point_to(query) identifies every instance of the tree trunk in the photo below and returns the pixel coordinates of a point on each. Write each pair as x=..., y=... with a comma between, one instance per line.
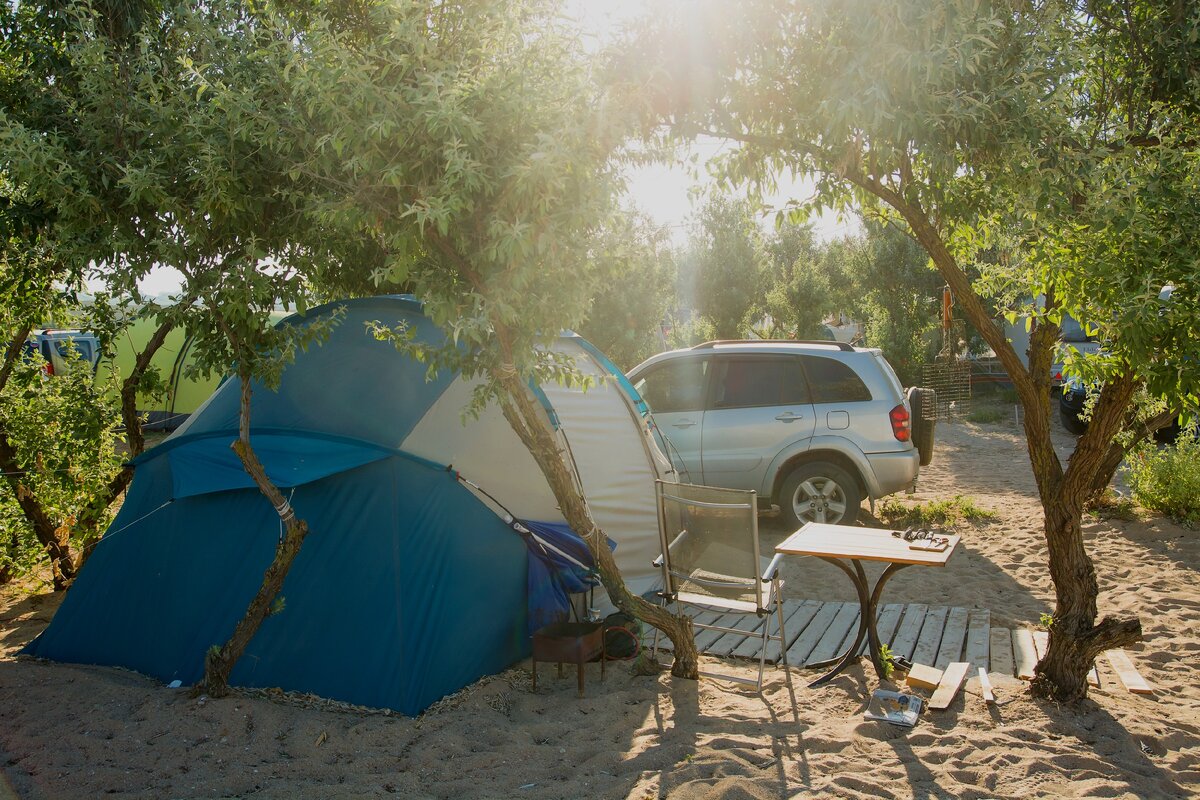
x=531, y=425
x=89, y=519
x=52, y=537
x=1075, y=638
x=56, y=543
x=220, y=661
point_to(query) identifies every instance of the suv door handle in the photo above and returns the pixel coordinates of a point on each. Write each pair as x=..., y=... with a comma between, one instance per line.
x=788, y=416
x=683, y=423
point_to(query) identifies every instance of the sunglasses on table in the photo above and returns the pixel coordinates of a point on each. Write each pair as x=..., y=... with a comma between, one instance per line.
x=922, y=536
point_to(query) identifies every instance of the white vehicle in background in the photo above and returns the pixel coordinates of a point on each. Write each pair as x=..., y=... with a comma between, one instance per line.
x=816, y=427
x=60, y=348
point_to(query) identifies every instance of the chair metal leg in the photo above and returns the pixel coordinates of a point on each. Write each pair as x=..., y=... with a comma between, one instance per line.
x=762, y=652
x=782, y=633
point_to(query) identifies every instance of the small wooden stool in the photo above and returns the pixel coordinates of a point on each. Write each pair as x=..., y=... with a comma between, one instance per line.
x=571, y=643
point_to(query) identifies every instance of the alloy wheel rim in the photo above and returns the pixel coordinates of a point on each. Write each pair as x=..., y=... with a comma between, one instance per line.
x=819, y=499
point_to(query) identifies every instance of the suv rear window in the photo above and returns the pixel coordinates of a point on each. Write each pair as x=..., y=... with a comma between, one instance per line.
x=759, y=381
x=675, y=386
x=834, y=382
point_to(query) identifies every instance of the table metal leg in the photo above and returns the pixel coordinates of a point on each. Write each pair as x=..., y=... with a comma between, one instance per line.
x=868, y=601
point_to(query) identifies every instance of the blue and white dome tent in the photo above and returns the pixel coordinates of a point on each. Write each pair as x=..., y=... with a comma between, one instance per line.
x=410, y=584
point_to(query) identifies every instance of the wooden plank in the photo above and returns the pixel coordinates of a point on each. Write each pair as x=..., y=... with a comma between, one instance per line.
x=885, y=625
x=985, y=686
x=1127, y=672
x=751, y=624
x=797, y=654
x=1041, y=643
x=979, y=626
x=953, y=637
x=905, y=640
x=664, y=643
x=796, y=617
x=842, y=625
x=931, y=635
x=952, y=680
x=923, y=676
x=1001, y=652
x=705, y=638
x=1024, y=653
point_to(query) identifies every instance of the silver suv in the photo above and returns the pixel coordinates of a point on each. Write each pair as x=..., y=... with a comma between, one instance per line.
x=815, y=426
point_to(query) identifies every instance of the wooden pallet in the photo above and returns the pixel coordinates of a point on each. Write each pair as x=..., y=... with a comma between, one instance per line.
x=820, y=630
x=936, y=636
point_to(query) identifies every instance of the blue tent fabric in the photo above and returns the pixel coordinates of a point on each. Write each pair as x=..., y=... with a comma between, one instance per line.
x=381, y=607
x=408, y=587
x=379, y=396
x=208, y=464
x=560, y=565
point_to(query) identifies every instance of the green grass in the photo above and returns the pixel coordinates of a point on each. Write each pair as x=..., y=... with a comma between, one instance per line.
x=942, y=513
x=986, y=416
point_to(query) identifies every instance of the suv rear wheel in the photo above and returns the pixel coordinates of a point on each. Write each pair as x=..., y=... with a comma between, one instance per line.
x=819, y=492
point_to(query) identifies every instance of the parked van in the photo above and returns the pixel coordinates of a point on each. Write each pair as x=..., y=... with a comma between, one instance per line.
x=60, y=348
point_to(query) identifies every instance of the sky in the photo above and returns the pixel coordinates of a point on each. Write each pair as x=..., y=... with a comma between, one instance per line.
x=668, y=192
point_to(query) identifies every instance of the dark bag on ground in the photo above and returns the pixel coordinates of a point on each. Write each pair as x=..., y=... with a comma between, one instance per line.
x=622, y=635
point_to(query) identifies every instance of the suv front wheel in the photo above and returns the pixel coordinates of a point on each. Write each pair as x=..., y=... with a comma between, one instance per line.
x=819, y=492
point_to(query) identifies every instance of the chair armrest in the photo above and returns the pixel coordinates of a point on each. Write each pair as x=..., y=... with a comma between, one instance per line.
x=772, y=568
x=658, y=562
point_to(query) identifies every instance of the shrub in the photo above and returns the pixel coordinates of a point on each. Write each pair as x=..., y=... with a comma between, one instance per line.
x=1167, y=479
x=933, y=512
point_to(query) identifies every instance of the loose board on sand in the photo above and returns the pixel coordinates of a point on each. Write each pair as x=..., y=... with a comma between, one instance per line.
x=1041, y=643
x=952, y=680
x=985, y=687
x=1024, y=653
x=1128, y=673
x=924, y=677
x=1001, y=651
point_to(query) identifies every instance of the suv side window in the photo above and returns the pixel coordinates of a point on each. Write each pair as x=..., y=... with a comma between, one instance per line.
x=747, y=382
x=677, y=385
x=834, y=382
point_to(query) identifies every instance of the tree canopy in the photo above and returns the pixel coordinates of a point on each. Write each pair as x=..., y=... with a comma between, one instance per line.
x=1051, y=146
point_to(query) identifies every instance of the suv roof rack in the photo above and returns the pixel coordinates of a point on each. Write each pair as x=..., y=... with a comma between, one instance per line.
x=843, y=346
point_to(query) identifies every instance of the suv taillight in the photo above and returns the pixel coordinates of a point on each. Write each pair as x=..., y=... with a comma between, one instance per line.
x=900, y=422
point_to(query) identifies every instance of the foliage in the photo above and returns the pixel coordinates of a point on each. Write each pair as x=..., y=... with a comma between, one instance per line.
x=1046, y=620
x=1110, y=505
x=1167, y=478
x=889, y=661
x=898, y=297
x=942, y=513
x=797, y=293
x=64, y=436
x=626, y=316
x=726, y=259
x=1039, y=150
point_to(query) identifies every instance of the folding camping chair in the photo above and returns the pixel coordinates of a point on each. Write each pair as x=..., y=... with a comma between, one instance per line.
x=710, y=560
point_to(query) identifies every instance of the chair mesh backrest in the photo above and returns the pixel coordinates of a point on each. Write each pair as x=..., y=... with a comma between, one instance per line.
x=709, y=539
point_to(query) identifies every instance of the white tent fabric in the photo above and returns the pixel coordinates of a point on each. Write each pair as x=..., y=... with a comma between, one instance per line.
x=613, y=448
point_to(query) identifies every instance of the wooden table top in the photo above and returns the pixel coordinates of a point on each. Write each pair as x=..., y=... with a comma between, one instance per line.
x=864, y=544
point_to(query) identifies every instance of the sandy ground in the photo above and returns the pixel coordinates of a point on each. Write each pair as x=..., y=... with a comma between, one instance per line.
x=76, y=731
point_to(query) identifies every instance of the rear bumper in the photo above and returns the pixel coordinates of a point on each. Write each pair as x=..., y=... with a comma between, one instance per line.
x=892, y=472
